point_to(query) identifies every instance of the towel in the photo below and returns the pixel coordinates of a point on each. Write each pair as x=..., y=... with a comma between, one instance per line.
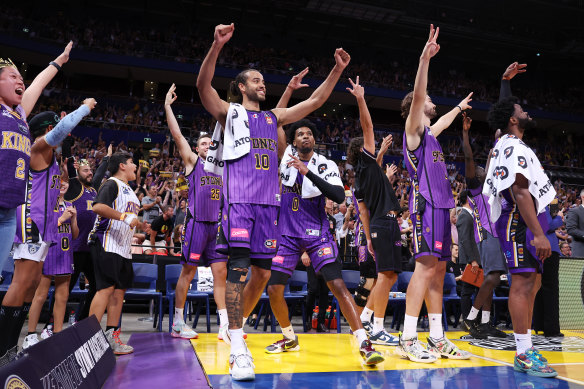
x=318, y=164
x=511, y=156
x=233, y=143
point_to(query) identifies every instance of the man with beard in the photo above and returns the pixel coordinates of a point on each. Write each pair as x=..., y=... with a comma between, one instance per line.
x=430, y=201
x=304, y=228
x=252, y=191
x=83, y=186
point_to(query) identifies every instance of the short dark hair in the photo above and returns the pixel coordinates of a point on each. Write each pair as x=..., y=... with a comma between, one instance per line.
x=291, y=132
x=463, y=197
x=118, y=157
x=406, y=104
x=40, y=122
x=500, y=113
x=354, y=149
x=240, y=78
x=203, y=136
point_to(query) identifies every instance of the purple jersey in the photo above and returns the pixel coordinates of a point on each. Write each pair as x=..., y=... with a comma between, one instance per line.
x=85, y=217
x=39, y=214
x=481, y=211
x=204, y=199
x=427, y=169
x=14, y=156
x=254, y=178
x=59, y=259
x=300, y=217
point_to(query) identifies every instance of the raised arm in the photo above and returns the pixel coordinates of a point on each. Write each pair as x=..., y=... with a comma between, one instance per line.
x=294, y=83
x=469, y=165
x=512, y=70
x=318, y=97
x=32, y=93
x=383, y=149
x=358, y=91
x=414, y=122
x=446, y=120
x=209, y=96
x=182, y=145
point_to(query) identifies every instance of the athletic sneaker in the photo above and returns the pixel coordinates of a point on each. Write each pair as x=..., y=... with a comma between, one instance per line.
x=368, y=327
x=119, y=347
x=538, y=355
x=241, y=366
x=29, y=341
x=369, y=354
x=491, y=330
x=47, y=333
x=467, y=324
x=529, y=363
x=413, y=350
x=283, y=345
x=446, y=349
x=384, y=338
x=180, y=329
x=478, y=331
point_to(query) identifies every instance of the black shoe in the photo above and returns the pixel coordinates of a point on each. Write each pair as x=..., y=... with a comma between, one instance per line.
x=467, y=324
x=320, y=327
x=251, y=321
x=491, y=330
x=557, y=335
x=478, y=332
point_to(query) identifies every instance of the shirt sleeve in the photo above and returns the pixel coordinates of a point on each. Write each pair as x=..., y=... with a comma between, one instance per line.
x=107, y=193
x=157, y=224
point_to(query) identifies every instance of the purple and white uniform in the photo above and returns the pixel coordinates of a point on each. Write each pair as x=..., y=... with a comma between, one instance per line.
x=252, y=190
x=304, y=226
x=60, y=256
x=202, y=220
x=85, y=217
x=430, y=197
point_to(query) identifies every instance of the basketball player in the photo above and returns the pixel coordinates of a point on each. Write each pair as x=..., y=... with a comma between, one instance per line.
x=16, y=103
x=36, y=227
x=200, y=227
x=492, y=259
x=83, y=186
x=430, y=201
x=378, y=206
x=252, y=193
x=304, y=227
x=58, y=265
x=110, y=242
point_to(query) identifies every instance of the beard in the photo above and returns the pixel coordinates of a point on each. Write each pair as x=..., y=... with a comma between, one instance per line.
x=86, y=180
x=304, y=150
x=254, y=96
x=527, y=124
x=431, y=113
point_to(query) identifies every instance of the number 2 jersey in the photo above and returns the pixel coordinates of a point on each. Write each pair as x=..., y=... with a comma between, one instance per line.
x=253, y=178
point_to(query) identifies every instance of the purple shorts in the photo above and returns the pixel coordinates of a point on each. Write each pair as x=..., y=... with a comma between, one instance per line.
x=198, y=244
x=253, y=226
x=59, y=260
x=515, y=239
x=432, y=233
x=321, y=250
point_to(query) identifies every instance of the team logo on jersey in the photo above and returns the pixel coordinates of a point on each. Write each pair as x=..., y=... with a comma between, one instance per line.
x=255, y=115
x=239, y=233
x=495, y=153
x=270, y=243
x=214, y=144
x=268, y=118
x=522, y=162
x=234, y=115
x=194, y=257
x=23, y=128
x=278, y=259
x=501, y=172
x=32, y=248
x=508, y=151
x=322, y=168
x=325, y=251
x=15, y=382
x=438, y=245
x=125, y=190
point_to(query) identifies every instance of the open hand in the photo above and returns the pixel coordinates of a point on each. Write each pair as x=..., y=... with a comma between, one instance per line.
x=385, y=144
x=464, y=103
x=64, y=57
x=358, y=91
x=432, y=47
x=466, y=122
x=514, y=69
x=296, y=81
x=390, y=172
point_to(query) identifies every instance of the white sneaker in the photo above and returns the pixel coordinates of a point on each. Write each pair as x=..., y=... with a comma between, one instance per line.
x=180, y=329
x=224, y=334
x=47, y=333
x=241, y=366
x=29, y=341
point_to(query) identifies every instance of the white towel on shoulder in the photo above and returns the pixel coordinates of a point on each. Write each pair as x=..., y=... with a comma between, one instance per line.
x=318, y=164
x=233, y=143
x=510, y=157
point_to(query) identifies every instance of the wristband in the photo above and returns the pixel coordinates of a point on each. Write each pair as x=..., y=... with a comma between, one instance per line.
x=128, y=218
x=55, y=65
x=459, y=107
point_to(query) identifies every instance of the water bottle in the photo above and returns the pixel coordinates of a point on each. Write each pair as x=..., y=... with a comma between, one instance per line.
x=327, y=316
x=334, y=320
x=314, y=317
x=72, y=318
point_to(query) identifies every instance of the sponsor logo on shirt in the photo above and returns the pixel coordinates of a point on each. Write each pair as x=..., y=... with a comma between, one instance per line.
x=278, y=259
x=312, y=232
x=438, y=245
x=270, y=243
x=194, y=257
x=321, y=168
x=325, y=251
x=239, y=233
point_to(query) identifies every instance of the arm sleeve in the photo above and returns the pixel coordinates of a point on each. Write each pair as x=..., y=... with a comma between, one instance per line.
x=65, y=126
x=334, y=192
x=505, y=90
x=107, y=193
x=71, y=169
x=100, y=173
x=74, y=190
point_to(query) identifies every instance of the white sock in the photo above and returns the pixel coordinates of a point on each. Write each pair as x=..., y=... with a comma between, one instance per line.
x=523, y=342
x=410, y=327
x=473, y=313
x=242, y=324
x=288, y=332
x=529, y=332
x=377, y=324
x=223, y=318
x=366, y=314
x=361, y=335
x=436, y=330
x=179, y=314
x=237, y=342
x=486, y=317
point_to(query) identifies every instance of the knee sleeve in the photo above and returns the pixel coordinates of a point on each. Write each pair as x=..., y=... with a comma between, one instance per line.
x=237, y=276
x=238, y=265
x=363, y=290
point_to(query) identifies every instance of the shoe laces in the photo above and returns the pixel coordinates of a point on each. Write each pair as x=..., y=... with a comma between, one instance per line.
x=245, y=360
x=116, y=337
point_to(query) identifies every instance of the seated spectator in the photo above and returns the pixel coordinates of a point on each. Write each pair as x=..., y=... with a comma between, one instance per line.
x=565, y=249
x=160, y=231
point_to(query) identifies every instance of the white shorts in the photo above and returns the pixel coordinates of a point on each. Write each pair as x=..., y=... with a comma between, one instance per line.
x=160, y=245
x=32, y=251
